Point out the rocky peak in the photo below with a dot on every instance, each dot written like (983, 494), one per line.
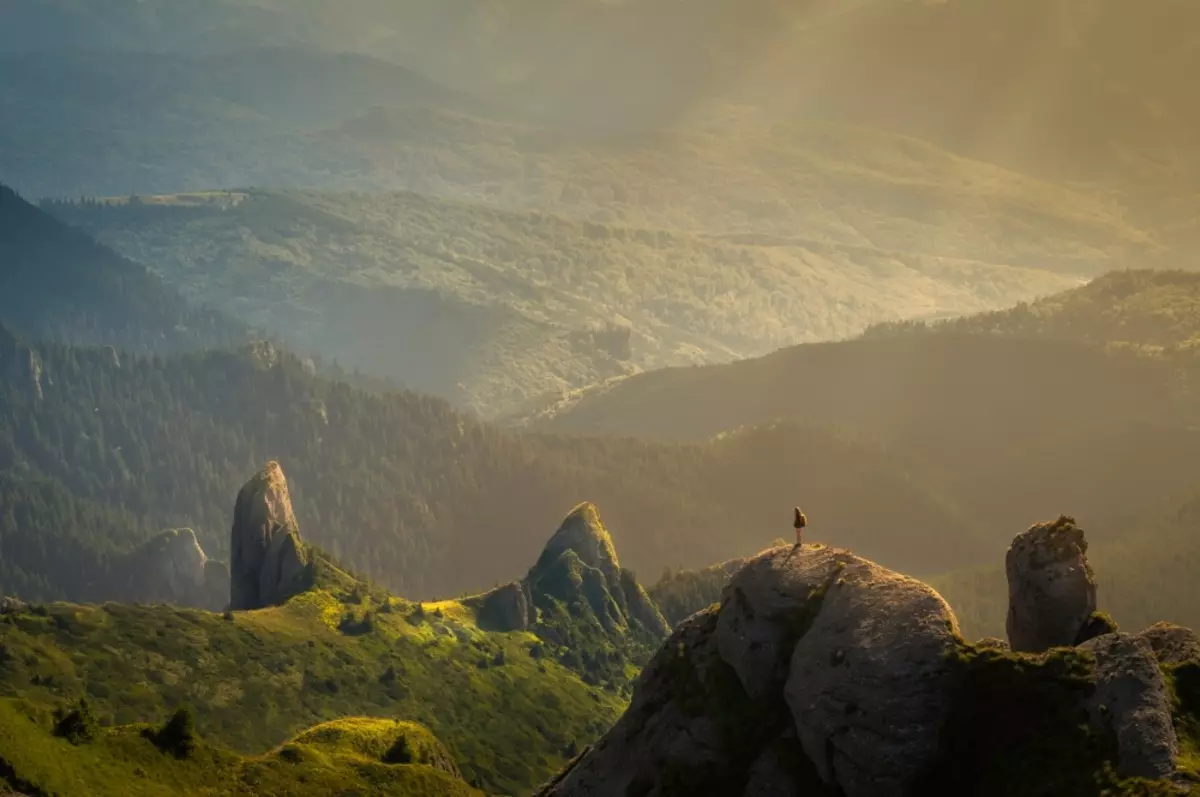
(1051, 587)
(583, 533)
(269, 562)
(580, 602)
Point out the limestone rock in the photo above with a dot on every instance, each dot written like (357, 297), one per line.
(269, 563)
(1051, 588)
(773, 773)
(1132, 701)
(1172, 644)
(871, 680)
(991, 643)
(506, 608)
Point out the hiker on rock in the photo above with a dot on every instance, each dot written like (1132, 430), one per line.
(799, 523)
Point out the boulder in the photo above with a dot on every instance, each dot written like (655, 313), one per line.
(269, 563)
(1131, 700)
(871, 680)
(1051, 588)
(1172, 644)
(767, 606)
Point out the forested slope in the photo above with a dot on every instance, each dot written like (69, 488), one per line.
(403, 487)
(58, 284)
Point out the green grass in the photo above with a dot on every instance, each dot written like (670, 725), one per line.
(258, 679)
(122, 760)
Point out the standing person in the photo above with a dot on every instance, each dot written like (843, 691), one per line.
(799, 523)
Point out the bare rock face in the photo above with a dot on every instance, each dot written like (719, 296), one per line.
(670, 738)
(1051, 588)
(1172, 644)
(871, 680)
(506, 608)
(269, 563)
(1132, 701)
(819, 673)
(765, 609)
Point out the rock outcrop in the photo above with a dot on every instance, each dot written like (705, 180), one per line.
(1051, 587)
(579, 567)
(172, 568)
(1172, 644)
(1132, 702)
(269, 563)
(840, 662)
(506, 608)
(871, 680)
(821, 673)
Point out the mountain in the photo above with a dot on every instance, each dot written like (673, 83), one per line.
(494, 308)
(315, 693)
(58, 284)
(1010, 426)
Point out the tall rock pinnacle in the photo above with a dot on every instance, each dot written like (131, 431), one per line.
(1051, 588)
(269, 563)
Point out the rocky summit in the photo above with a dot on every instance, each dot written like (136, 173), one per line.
(821, 673)
(269, 561)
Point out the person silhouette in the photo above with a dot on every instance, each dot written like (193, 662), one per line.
(799, 522)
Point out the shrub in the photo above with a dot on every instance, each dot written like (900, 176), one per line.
(399, 753)
(178, 736)
(78, 725)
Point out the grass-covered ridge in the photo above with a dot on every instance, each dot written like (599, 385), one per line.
(507, 711)
(350, 756)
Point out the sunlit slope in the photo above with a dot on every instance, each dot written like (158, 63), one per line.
(1151, 311)
(124, 760)
(492, 308)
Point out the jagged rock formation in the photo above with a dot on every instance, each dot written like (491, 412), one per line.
(269, 562)
(579, 563)
(821, 673)
(1132, 702)
(577, 598)
(1051, 587)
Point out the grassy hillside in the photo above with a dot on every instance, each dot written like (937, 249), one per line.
(493, 308)
(502, 703)
(345, 755)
